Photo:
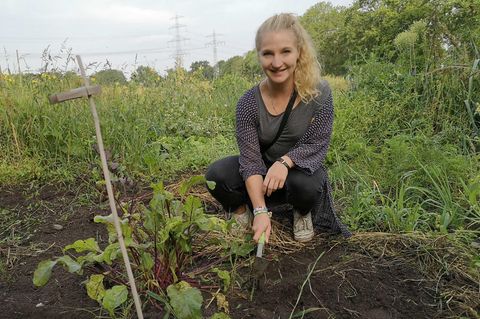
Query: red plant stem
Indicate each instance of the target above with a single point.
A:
(208, 266)
(135, 255)
(113, 277)
(209, 287)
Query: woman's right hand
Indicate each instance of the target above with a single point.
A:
(261, 223)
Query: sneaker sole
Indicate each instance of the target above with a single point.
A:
(304, 238)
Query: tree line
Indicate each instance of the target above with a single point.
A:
(422, 34)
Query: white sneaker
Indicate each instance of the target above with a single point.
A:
(302, 227)
(243, 221)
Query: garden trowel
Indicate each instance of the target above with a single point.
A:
(260, 264)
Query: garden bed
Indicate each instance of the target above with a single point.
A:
(330, 278)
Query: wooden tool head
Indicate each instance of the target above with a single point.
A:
(84, 91)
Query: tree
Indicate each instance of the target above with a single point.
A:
(232, 65)
(146, 76)
(202, 67)
(369, 28)
(246, 65)
(109, 77)
(372, 25)
(251, 66)
(325, 24)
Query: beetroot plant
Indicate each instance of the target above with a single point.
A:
(160, 240)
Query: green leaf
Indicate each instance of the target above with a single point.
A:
(127, 233)
(174, 228)
(114, 297)
(473, 192)
(241, 249)
(476, 262)
(108, 221)
(81, 245)
(103, 219)
(193, 207)
(112, 233)
(160, 199)
(172, 264)
(71, 264)
(157, 297)
(211, 223)
(111, 253)
(146, 261)
(225, 276)
(153, 220)
(90, 258)
(43, 272)
(95, 288)
(185, 300)
(194, 180)
(211, 184)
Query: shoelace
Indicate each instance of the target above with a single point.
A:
(304, 222)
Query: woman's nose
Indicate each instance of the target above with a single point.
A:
(277, 61)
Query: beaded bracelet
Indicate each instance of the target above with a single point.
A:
(261, 210)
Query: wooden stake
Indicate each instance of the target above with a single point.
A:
(111, 198)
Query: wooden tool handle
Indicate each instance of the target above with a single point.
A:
(84, 91)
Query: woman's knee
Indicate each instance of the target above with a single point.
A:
(223, 170)
(302, 188)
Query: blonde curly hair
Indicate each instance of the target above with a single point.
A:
(307, 72)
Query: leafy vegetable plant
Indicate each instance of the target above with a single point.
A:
(160, 242)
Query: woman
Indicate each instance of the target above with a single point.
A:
(281, 161)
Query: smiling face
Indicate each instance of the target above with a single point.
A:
(278, 55)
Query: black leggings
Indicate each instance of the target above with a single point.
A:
(300, 190)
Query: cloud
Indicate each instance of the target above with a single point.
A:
(152, 38)
(131, 15)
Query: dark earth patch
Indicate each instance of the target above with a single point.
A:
(64, 295)
(345, 283)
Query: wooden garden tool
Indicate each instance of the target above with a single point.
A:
(88, 92)
(84, 91)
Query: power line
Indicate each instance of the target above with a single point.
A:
(141, 51)
(79, 37)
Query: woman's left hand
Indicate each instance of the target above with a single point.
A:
(275, 178)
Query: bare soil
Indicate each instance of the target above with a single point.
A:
(64, 296)
(345, 283)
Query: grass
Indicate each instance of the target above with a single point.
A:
(16, 226)
(15, 231)
(141, 126)
(392, 168)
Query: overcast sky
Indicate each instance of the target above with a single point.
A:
(129, 33)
